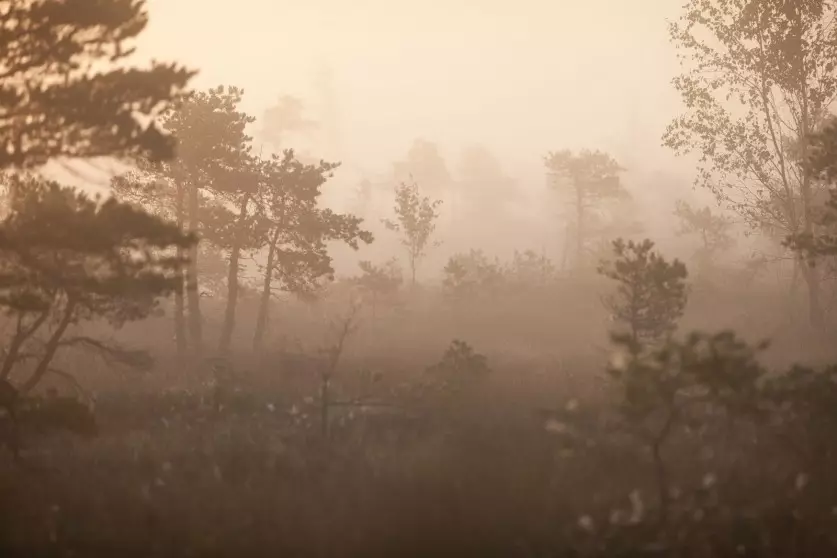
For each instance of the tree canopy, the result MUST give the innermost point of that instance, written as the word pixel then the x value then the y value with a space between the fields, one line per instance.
pixel 65 89
pixel 116 265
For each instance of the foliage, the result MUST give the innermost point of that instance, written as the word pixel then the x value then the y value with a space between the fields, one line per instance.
pixel 774 60
pixel 663 387
pixel 295 230
pixel 651 293
pixel 283 118
pixel 459 367
pixel 470 274
pixel 213 158
pixel 759 79
pixel 712 229
pixel 822 245
pixel 822 164
pixel 115 266
pixel 528 269
pixel 416 221
pixel 63 91
pixel 425 165
pixel 590 179
pixel 209 186
pixel 486 187
pixel 380 281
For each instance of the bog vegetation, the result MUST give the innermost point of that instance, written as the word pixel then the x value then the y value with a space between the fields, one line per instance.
pixel 183 373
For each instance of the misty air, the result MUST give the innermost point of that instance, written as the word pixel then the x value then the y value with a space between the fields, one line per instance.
pixel 384 278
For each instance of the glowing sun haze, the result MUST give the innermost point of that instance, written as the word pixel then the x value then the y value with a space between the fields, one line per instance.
pixel 521 77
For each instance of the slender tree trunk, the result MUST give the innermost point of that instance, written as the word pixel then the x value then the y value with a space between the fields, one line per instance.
pixel 264 301
pixel 579 249
pixel 325 405
pixel 16 344
pixel 193 296
pixel 811 274
pixel 812 280
pixel 232 280
pixel 50 349
pixel 179 303
pixel 812 277
pixel 232 299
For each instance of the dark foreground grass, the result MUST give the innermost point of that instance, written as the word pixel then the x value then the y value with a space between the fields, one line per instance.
pixel 171 476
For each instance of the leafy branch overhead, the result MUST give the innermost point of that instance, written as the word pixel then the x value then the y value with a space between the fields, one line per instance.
pixel 758 79
pixel 117 265
pixel 64 91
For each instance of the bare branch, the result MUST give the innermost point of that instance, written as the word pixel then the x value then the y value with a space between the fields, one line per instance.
pixel 112 354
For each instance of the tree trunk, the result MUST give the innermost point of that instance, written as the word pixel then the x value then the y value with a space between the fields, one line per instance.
pixel 16 344
pixel 50 349
pixel 264 302
pixel 193 296
pixel 179 303
pixel 232 300
pixel 232 281
pixel 812 280
pixel 812 277
pixel 579 248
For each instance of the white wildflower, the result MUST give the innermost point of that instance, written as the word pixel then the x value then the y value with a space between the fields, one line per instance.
pixel 585 522
pixel 801 481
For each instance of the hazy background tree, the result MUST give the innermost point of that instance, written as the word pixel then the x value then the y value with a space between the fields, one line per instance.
pixel 415 221
pixel 590 180
pixel 283 120
pixel 424 164
pixel 486 197
pixel 379 282
pixel 712 230
pixel 212 150
pixel 471 273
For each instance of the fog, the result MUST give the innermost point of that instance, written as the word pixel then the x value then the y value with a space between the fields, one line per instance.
pixel 520 79
pixel 510 322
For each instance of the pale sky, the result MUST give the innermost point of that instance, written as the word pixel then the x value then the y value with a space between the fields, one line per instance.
pixel 521 77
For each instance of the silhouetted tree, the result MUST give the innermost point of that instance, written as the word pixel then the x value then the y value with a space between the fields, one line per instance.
pixel 591 178
pixel 760 78
pixel 459 369
pixel 651 293
pixel 294 231
pixel 63 92
pixel 115 265
pixel 206 185
pixel 415 220
pixel 664 386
